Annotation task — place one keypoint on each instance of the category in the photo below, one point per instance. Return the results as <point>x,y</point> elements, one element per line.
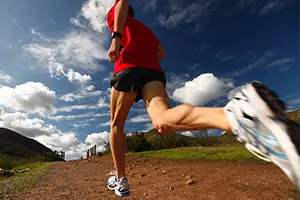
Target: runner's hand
<point>113,52</point>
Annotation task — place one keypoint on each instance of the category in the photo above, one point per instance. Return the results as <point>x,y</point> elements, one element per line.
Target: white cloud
<point>224,58</point>
<point>203,89</point>
<point>103,103</point>
<point>58,140</point>
<point>39,35</point>
<point>261,7</point>
<point>51,136</point>
<point>80,49</point>
<point>199,133</point>
<point>140,118</point>
<point>281,62</point>
<point>93,14</point>
<point>32,97</point>
<point>21,123</point>
<point>187,133</point>
<point>75,76</point>
<point>148,126</point>
<point>77,151</point>
<point>187,12</point>
<point>151,5</point>
<point>262,61</point>
<point>175,81</point>
<point>107,79</point>
<point>80,116</point>
<point>294,101</point>
<point>79,124</point>
<point>9,46</point>
<point>6,78</point>
<point>75,107</point>
<point>79,95</point>
<point>99,139</point>
<point>274,5</point>
<point>90,88</point>
<point>138,110</point>
<point>77,50</point>
<point>104,124</point>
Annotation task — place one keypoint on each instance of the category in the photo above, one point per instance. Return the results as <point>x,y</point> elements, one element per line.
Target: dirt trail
<point>160,179</point>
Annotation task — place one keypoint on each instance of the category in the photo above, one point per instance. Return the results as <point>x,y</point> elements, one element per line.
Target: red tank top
<point>139,42</point>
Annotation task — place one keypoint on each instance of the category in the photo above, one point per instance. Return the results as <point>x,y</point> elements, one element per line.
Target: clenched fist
<point>114,50</point>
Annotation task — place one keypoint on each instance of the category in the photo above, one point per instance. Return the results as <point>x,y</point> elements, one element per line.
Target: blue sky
<point>54,70</point>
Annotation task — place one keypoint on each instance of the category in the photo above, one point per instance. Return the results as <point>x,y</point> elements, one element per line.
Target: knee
<point>162,126</point>
<point>117,127</point>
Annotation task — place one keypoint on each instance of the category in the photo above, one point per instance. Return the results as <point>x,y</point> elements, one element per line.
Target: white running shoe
<point>120,186</point>
<point>258,119</point>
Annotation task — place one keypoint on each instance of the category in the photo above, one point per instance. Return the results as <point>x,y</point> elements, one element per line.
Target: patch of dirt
<point>157,179</point>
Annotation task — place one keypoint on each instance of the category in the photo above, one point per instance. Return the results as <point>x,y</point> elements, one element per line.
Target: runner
<point>255,115</point>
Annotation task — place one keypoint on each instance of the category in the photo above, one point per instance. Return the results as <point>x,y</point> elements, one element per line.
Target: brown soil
<point>163,179</point>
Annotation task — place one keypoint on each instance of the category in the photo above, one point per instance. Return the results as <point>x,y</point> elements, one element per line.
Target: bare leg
<point>120,105</point>
<point>182,117</point>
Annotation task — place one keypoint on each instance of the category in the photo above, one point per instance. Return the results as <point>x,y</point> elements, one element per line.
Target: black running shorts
<point>133,79</point>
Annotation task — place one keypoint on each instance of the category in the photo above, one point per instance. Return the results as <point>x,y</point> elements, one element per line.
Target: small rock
<point>190,182</point>
<point>171,188</point>
<point>140,183</point>
<point>24,170</point>
<point>2,171</point>
<point>156,168</point>
<point>133,166</point>
<point>164,171</point>
<point>145,194</point>
<point>141,175</point>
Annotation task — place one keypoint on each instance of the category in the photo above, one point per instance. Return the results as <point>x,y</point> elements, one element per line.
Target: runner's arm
<point>161,53</point>
<point>121,13</point>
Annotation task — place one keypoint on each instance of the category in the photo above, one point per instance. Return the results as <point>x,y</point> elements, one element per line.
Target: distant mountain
<point>16,145</point>
<point>294,115</point>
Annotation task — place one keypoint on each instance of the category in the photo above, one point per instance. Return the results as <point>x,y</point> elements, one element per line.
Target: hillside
<point>294,115</point>
<point>152,140</point>
<point>17,145</point>
<point>16,150</point>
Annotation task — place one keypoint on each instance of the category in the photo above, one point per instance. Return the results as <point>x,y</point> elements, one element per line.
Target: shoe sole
<point>118,193</point>
<point>264,113</point>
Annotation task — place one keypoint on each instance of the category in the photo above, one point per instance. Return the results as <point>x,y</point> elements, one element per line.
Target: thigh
<point>156,98</point>
<point>120,104</point>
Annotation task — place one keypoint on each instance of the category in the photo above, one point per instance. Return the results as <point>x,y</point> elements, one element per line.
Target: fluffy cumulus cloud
<point>32,97</point>
<point>101,140</point>
<point>203,89</point>
<point>51,136</point>
<point>58,141</point>
<point>93,15</point>
<point>6,78</point>
<point>21,123</point>
<point>175,81</point>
